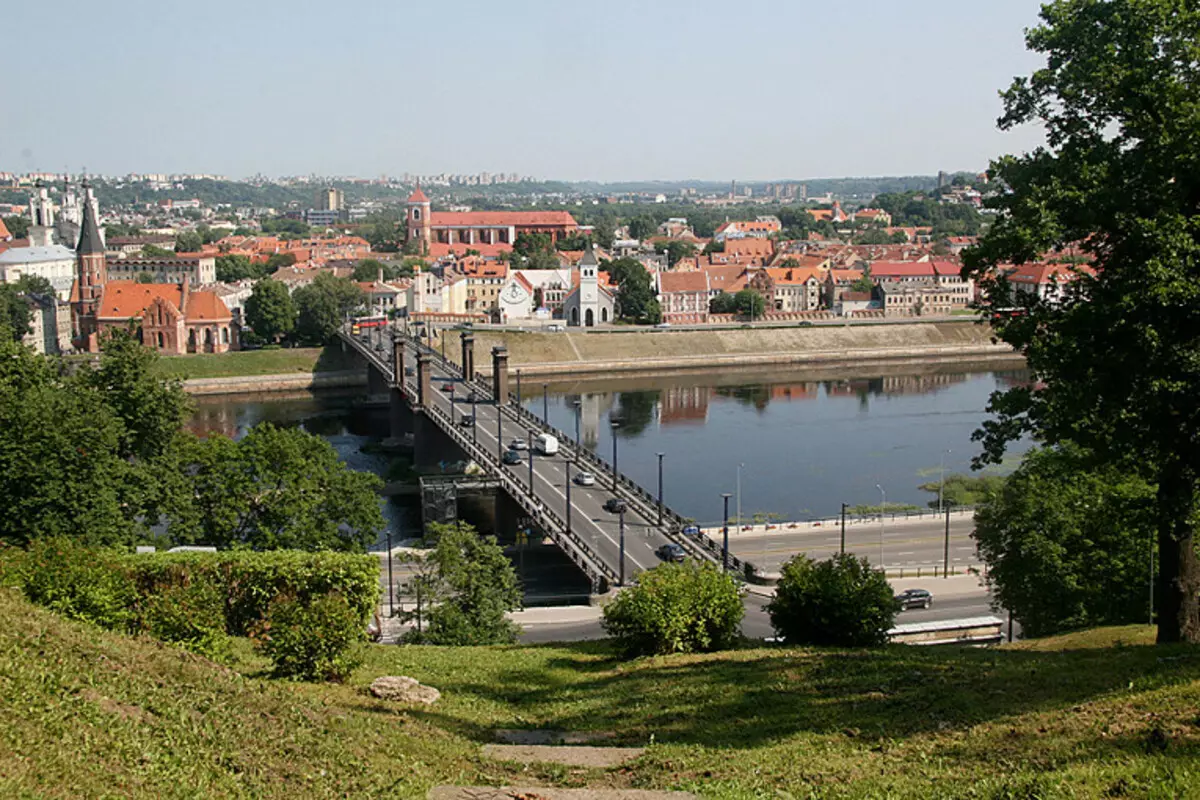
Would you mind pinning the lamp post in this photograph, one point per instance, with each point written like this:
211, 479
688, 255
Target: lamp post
391, 590
578, 412
546, 403
568, 498
942, 480
518, 387
452, 404
725, 535
474, 419
614, 425
500, 433
660, 488
530, 459
882, 506
739, 497
621, 524
843, 548
946, 554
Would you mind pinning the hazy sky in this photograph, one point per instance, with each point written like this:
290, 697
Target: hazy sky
608, 90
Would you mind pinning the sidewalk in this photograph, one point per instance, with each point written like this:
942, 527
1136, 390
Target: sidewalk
832, 525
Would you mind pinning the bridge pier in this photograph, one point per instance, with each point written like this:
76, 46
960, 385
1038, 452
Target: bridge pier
424, 375
500, 374
432, 447
377, 382
400, 417
468, 355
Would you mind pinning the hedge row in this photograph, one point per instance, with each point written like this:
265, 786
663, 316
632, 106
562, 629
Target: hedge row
198, 600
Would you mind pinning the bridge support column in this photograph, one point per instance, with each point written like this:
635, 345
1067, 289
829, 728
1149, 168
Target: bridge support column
376, 382
468, 355
500, 374
424, 370
399, 416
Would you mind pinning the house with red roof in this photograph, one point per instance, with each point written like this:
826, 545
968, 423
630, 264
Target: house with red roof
169, 317
1045, 281
683, 296
471, 229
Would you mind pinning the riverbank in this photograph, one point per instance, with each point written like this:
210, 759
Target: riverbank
263, 363
624, 350
288, 382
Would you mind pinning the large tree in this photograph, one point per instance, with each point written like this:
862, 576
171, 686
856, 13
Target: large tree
636, 301
270, 310
322, 305
1116, 362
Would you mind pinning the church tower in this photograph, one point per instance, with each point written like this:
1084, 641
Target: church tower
91, 274
41, 215
420, 226
70, 215
589, 288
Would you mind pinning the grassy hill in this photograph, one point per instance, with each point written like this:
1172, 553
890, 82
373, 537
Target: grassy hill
1100, 714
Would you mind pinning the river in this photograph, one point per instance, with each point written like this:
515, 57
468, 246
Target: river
806, 440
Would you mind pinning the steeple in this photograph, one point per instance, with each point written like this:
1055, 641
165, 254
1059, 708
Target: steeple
89, 237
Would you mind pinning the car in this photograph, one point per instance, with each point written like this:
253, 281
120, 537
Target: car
518, 444
914, 598
671, 552
410, 371
691, 530
615, 505
555, 328
467, 422
447, 387
584, 479
804, 324
663, 325
511, 458
546, 444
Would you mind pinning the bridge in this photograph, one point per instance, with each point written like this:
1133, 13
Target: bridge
478, 413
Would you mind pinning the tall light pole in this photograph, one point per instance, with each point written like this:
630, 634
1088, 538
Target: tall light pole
499, 432
882, 506
531, 492
518, 387
614, 425
843, 548
452, 404
546, 403
725, 536
474, 420
660, 488
578, 412
942, 480
568, 498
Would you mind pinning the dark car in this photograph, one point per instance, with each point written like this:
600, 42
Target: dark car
914, 598
615, 505
671, 552
409, 371
467, 422
511, 457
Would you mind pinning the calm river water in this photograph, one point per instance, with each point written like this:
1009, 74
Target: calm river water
807, 440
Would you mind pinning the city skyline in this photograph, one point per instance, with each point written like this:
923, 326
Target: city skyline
677, 92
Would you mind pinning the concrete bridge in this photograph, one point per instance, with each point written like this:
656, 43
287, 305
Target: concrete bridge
432, 397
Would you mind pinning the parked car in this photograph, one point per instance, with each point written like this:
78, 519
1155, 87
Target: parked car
511, 457
671, 552
663, 325
467, 422
914, 598
585, 479
555, 328
615, 505
518, 444
691, 530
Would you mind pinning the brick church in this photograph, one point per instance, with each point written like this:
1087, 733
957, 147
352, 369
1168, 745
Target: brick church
171, 318
489, 232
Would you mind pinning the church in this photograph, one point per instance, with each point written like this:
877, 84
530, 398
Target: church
440, 233
170, 318
589, 303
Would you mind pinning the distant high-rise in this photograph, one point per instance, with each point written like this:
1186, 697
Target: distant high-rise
942, 179
330, 199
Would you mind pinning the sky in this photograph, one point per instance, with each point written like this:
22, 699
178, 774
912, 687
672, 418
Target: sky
561, 90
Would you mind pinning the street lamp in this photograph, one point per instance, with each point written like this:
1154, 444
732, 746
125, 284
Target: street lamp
532, 495
942, 480
452, 404
725, 536
739, 497
621, 523
568, 463
546, 403
578, 413
843, 549
500, 433
882, 506
660, 488
518, 387
474, 427
615, 424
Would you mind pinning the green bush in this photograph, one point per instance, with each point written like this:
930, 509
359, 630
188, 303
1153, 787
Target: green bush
841, 601
676, 608
79, 582
312, 639
189, 613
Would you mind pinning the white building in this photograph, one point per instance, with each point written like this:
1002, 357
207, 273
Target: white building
53, 262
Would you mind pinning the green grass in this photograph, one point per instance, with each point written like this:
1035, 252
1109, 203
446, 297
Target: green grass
1098, 714
254, 362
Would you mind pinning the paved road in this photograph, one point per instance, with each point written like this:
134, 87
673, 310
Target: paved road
917, 542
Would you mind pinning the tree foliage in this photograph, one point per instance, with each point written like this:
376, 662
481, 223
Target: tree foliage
188, 242
17, 225
472, 586
962, 490
636, 301
677, 608
723, 303
322, 305
1068, 543
236, 268
750, 303
270, 310
841, 601
1116, 362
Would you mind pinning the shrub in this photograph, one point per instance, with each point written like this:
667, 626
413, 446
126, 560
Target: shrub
676, 608
189, 613
313, 639
841, 601
78, 582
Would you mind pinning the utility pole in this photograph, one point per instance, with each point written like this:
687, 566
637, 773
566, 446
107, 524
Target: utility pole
474, 420
621, 523
518, 387
546, 403
568, 498
578, 412
725, 535
843, 548
660, 488
499, 432
946, 555
614, 425
531, 492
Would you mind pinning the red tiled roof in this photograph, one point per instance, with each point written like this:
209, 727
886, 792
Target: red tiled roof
669, 282
206, 307
123, 300
418, 196
1040, 274
502, 219
4, 234
726, 279
441, 250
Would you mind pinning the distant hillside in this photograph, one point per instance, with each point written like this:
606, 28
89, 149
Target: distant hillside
1099, 714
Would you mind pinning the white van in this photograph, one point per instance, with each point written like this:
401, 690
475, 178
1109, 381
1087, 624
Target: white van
546, 444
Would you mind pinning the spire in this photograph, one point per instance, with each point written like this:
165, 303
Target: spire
89, 238
589, 257
418, 196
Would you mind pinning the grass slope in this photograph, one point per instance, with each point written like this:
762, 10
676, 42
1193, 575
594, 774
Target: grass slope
1102, 714
241, 363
